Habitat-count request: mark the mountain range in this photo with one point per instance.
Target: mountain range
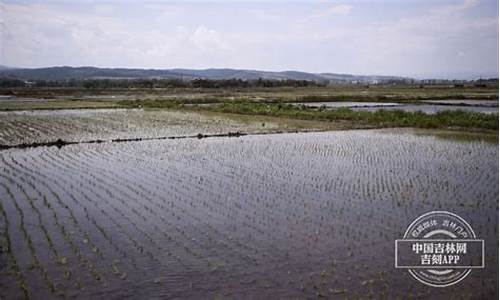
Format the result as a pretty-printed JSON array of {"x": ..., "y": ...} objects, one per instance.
[{"x": 66, "y": 73}]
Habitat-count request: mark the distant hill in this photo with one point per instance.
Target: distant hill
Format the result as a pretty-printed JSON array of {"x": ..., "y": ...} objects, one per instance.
[{"x": 65, "y": 73}]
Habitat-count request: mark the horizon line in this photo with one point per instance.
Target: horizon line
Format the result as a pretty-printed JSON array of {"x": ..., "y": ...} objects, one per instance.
[{"x": 436, "y": 76}]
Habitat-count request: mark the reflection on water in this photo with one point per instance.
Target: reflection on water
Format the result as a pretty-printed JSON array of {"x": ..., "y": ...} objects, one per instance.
[
  {"x": 492, "y": 103},
  {"x": 432, "y": 109},
  {"x": 305, "y": 215},
  {"x": 345, "y": 104},
  {"x": 428, "y": 106},
  {"x": 458, "y": 136}
]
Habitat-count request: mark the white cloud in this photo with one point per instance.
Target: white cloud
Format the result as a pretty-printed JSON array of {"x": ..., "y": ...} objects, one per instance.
[
  {"x": 104, "y": 9},
  {"x": 39, "y": 35},
  {"x": 339, "y": 9},
  {"x": 455, "y": 8},
  {"x": 311, "y": 37},
  {"x": 332, "y": 10},
  {"x": 207, "y": 39}
]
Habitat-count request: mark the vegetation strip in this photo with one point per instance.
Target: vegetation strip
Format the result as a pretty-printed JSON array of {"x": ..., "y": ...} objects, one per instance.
[
  {"x": 380, "y": 118},
  {"x": 455, "y": 119}
]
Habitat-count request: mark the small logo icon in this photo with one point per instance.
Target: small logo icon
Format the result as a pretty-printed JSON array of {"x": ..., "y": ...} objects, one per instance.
[{"x": 439, "y": 249}]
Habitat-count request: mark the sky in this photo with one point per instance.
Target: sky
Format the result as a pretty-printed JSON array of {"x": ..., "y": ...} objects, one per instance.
[{"x": 417, "y": 38}]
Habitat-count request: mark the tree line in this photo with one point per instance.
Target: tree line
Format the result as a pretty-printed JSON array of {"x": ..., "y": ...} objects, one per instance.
[
  {"x": 100, "y": 84},
  {"x": 157, "y": 83}
]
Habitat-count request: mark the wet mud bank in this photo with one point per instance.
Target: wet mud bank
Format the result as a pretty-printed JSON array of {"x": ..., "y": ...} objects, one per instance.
[{"x": 59, "y": 143}]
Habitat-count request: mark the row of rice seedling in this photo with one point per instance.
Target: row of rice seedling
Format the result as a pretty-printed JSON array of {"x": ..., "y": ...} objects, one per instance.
[
  {"x": 68, "y": 187},
  {"x": 137, "y": 186},
  {"x": 24, "y": 247},
  {"x": 185, "y": 184},
  {"x": 67, "y": 230},
  {"x": 93, "y": 249},
  {"x": 10, "y": 265},
  {"x": 57, "y": 257},
  {"x": 211, "y": 176},
  {"x": 399, "y": 191},
  {"x": 96, "y": 198},
  {"x": 308, "y": 214},
  {"x": 148, "y": 215},
  {"x": 120, "y": 184},
  {"x": 80, "y": 125}
]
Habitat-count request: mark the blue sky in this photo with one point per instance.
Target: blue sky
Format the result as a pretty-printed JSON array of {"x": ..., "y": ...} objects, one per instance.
[{"x": 421, "y": 38}]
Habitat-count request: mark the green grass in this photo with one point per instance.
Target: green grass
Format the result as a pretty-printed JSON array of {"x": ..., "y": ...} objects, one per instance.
[
  {"x": 55, "y": 104},
  {"x": 348, "y": 92},
  {"x": 380, "y": 118},
  {"x": 147, "y": 103},
  {"x": 272, "y": 102},
  {"x": 174, "y": 102}
]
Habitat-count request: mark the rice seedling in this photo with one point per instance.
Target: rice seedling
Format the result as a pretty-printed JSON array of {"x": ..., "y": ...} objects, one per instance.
[{"x": 304, "y": 212}]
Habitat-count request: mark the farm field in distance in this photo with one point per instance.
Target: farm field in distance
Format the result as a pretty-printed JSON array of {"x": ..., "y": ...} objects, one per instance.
[
  {"x": 364, "y": 106},
  {"x": 378, "y": 93},
  {"x": 225, "y": 193}
]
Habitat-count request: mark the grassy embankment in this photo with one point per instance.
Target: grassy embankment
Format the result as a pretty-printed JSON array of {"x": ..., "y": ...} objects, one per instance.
[
  {"x": 379, "y": 119},
  {"x": 373, "y": 93},
  {"x": 271, "y": 102}
]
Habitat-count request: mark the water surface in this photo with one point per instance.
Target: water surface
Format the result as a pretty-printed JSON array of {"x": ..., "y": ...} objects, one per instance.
[{"x": 271, "y": 216}]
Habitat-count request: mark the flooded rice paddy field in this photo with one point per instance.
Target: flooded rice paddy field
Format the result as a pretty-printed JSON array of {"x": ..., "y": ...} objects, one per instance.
[
  {"x": 433, "y": 108},
  {"x": 490, "y": 103},
  {"x": 427, "y": 106},
  {"x": 18, "y": 127},
  {"x": 339, "y": 104},
  {"x": 5, "y": 98},
  {"x": 272, "y": 216}
]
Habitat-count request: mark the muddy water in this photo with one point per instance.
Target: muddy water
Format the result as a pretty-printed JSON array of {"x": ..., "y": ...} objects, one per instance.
[
  {"x": 274, "y": 216},
  {"x": 433, "y": 108},
  {"x": 428, "y": 106},
  {"x": 346, "y": 104}
]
